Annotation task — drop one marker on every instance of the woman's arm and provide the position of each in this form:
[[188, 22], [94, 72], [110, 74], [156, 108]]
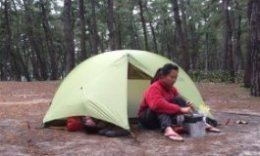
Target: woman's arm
[[176, 93], [157, 102]]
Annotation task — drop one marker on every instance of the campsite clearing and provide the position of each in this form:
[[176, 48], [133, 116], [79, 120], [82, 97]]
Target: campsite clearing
[[23, 105]]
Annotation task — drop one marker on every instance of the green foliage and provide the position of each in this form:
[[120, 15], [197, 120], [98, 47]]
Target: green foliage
[[203, 18], [214, 76]]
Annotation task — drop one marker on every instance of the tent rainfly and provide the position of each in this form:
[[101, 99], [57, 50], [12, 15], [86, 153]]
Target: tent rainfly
[[110, 86]]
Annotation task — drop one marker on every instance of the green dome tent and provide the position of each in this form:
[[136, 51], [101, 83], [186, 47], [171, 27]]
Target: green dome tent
[[110, 86]]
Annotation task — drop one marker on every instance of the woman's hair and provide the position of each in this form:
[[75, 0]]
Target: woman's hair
[[165, 70]]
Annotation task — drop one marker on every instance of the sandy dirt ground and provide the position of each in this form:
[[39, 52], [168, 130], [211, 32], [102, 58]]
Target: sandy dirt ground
[[23, 105]]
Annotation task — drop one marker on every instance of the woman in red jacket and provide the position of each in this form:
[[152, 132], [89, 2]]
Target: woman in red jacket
[[160, 103]]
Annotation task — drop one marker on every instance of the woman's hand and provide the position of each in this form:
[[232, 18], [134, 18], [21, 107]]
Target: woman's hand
[[186, 110], [189, 103]]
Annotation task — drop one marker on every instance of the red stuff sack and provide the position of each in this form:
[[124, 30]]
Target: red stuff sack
[[74, 124]]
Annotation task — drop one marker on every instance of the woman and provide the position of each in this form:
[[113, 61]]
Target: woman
[[161, 103]]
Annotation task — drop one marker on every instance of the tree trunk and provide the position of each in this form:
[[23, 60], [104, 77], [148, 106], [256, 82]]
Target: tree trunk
[[195, 48], [134, 38], [9, 42], [241, 62], [95, 38], [239, 65], [83, 53], [248, 68], [102, 41], [6, 69], [255, 47], [68, 37], [168, 51], [89, 36], [183, 4], [180, 36], [22, 60], [207, 52], [119, 32], [49, 42], [135, 41], [111, 25], [152, 29], [15, 58], [39, 67], [143, 24], [228, 53]]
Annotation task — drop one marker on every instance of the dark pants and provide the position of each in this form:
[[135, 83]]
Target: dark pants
[[153, 120]]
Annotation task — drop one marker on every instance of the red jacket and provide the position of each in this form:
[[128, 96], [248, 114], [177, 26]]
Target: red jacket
[[157, 97]]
